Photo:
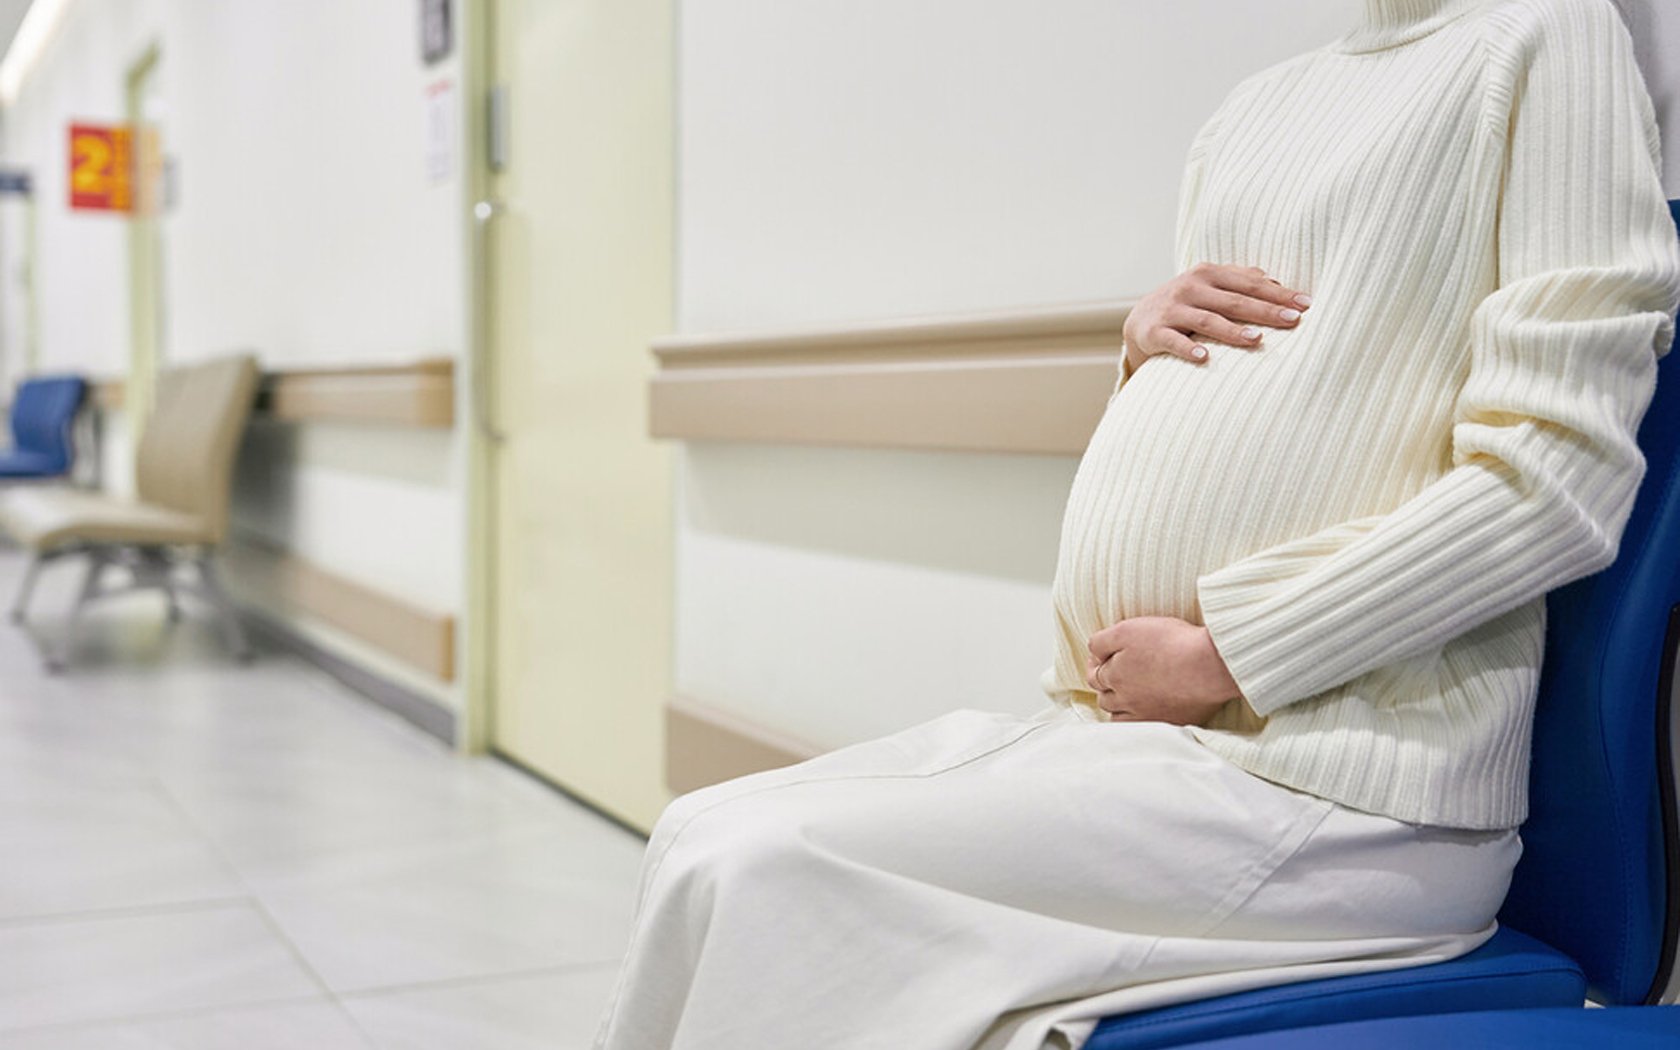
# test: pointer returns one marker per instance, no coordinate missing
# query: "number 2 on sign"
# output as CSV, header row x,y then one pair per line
x,y
100,176
90,168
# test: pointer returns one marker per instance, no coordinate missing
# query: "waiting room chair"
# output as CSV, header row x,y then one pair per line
x,y
183,472
43,422
1561,1028
1596,895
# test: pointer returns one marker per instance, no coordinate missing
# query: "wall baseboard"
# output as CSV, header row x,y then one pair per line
x,y
704,746
428,715
421,638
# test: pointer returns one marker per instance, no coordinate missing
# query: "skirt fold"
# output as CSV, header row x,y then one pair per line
x,y
992,882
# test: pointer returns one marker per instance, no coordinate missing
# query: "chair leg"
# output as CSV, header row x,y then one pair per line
x,y
226,612
154,568
97,562
20,604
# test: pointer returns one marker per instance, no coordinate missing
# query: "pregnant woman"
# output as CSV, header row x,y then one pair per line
x,y
1300,592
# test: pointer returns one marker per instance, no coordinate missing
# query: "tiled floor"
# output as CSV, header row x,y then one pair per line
x,y
195,854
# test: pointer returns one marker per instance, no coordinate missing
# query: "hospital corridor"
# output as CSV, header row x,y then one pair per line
x,y
849,524
212,855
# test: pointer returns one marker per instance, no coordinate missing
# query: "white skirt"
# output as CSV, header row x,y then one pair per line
x,y
992,882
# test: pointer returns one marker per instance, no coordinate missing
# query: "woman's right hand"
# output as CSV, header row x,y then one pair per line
x,y
1209,301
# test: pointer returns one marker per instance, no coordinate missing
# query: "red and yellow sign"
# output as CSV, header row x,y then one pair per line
x,y
101,167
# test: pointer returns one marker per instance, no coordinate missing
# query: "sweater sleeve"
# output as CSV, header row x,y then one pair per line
x,y
1545,465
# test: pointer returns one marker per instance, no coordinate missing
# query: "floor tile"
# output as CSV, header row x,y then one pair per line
x,y
82,846
547,1012
296,1026
273,812
59,971
470,908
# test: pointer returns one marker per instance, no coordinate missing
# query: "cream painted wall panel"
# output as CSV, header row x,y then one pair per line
x,y
373,505
1655,25
984,514
874,158
836,594
14,289
308,225
833,649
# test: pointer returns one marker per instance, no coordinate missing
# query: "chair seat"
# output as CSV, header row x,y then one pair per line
x,y
43,519
21,463
1511,971
1621,1028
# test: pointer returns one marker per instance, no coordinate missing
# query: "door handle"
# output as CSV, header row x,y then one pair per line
x,y
484,212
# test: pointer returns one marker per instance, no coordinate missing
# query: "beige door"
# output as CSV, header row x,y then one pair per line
x,y
577,234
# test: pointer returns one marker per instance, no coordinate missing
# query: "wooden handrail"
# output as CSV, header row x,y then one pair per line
x,y
1030,380
419,393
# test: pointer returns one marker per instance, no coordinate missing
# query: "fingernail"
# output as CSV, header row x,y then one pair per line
x,y
1304,299
1289,315
1251,332
1200,352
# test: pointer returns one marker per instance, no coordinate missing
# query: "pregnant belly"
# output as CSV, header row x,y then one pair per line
x,y
1195,466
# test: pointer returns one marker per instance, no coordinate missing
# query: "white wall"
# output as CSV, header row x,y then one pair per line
x,y
14,291
1655,25
307,229
876,158
855,160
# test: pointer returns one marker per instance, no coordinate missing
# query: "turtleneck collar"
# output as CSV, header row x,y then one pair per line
x,y
1386,23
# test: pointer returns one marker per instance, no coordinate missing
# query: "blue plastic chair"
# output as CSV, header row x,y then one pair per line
x,y
43,415
1598,887
1618,1028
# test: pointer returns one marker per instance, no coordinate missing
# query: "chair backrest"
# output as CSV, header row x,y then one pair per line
x,y
44,415
1600,873
185,459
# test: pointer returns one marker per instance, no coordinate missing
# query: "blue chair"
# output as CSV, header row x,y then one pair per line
x,y
1618,1028
43,415
1597,892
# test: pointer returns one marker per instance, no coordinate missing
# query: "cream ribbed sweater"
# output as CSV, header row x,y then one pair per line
x,y
1367,511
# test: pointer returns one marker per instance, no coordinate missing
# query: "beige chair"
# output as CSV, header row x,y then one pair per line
x,y
183,471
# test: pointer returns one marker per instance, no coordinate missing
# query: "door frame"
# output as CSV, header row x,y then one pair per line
x,y
145,281
475,382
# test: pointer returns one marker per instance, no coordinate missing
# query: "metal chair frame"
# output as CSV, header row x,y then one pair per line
x,y
150,568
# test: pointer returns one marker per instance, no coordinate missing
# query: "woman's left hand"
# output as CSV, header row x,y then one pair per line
x,y
1158,669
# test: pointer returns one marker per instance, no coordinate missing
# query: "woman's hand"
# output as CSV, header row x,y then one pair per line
x,y
1209,301
1158,669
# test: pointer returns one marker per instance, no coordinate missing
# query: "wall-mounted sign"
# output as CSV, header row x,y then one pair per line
x,y
101,167
440,131
437,35
14,182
